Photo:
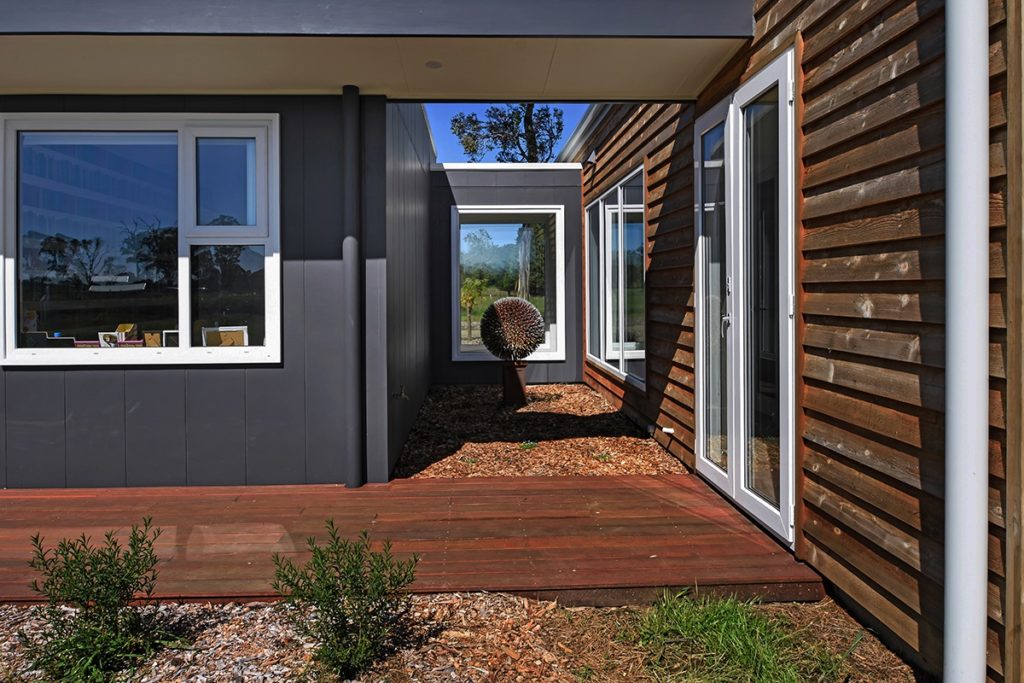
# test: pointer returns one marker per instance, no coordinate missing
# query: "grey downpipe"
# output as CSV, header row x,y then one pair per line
x,y
967,328
353,300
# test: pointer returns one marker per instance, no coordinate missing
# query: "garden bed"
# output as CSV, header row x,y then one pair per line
x,y
461,637
565,429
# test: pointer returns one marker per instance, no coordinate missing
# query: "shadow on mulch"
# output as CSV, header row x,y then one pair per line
x,y
563,429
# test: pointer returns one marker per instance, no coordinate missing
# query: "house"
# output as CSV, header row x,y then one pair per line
x,y
768,247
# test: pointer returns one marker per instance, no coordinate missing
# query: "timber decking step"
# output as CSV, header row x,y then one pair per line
x,y
584,540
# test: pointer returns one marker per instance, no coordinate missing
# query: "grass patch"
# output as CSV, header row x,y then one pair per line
x,y
528,445
730,641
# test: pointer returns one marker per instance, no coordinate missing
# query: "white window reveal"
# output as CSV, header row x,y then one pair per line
x,y
140,239
616,275
500,251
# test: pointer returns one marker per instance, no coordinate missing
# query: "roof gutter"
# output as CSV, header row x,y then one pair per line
x,y
967,330
591,119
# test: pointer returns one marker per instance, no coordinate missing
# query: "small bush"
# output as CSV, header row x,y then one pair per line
x,y
729,641
528,445
103,633
349,599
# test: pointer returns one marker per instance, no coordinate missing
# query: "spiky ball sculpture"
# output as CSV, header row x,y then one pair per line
x,y
512,328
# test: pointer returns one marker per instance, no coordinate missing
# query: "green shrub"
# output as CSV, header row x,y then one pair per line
x,y
726,640
349,599
104,633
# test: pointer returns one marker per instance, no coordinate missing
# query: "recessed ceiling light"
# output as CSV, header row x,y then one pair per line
x,y
433,64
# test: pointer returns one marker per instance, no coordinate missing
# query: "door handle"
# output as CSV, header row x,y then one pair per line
x,y
725,324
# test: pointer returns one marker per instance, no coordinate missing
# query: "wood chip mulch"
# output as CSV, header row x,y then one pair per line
x,y
565,429
479,637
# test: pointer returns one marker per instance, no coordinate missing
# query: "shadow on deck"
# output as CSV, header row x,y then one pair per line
x,y
582,540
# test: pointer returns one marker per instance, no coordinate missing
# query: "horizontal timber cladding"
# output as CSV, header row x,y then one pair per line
x,y
658,137
175,425
872,305
871,298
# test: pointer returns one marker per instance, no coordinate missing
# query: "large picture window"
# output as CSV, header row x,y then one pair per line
x,y
140,239
507,251
616,241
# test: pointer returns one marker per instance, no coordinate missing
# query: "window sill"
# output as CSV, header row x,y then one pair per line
x,y
132,357
485,357
613,371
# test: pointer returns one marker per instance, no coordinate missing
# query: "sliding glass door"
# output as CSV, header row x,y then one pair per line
x,y
745,244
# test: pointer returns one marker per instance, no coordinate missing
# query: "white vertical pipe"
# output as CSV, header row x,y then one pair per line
x,y
967,326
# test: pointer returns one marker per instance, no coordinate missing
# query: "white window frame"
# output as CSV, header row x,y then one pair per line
x,y
227,129
554,347
605,296
779,72
264,127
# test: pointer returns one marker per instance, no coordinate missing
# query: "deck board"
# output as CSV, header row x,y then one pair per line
x,y
584,540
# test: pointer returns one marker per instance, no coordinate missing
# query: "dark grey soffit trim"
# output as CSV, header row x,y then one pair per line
x,y
489,18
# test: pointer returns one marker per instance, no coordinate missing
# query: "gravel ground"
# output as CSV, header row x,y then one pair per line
x,y
462,638
565,429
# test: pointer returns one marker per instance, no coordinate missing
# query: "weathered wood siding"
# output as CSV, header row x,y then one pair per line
x,y
871,275
660,138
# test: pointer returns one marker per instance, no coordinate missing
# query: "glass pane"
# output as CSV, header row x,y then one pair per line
x,y
595,287
228,295
633,272
761,188
633,190
503,255
97,239
716,412
226,181
613,269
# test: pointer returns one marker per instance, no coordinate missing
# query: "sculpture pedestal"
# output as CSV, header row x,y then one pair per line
x,y
513,381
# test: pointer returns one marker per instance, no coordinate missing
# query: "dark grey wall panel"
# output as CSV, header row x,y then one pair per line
x,y
407,216
215,426
35,428
95,427
505,187
376,342
383,17
155,427
325,317
275,397
206,425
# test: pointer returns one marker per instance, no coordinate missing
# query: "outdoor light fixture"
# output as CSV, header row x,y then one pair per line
x,y
592,159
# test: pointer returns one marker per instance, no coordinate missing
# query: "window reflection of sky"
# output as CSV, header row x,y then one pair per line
x,y
226,169
502,234
93,185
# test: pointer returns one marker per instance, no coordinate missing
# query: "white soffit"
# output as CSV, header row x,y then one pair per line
x,y
470,68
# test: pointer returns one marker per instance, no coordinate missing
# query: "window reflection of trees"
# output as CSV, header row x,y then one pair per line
x,y
78,287
228,290
494,264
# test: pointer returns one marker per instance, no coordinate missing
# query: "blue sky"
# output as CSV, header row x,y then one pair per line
x,y
448,148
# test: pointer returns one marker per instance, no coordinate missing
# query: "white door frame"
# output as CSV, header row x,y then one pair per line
x,y
739,267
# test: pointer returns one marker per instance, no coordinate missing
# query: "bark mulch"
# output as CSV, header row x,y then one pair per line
x,y
565,429
460,637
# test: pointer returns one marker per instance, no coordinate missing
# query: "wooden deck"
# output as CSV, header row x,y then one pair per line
x,y
585,540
